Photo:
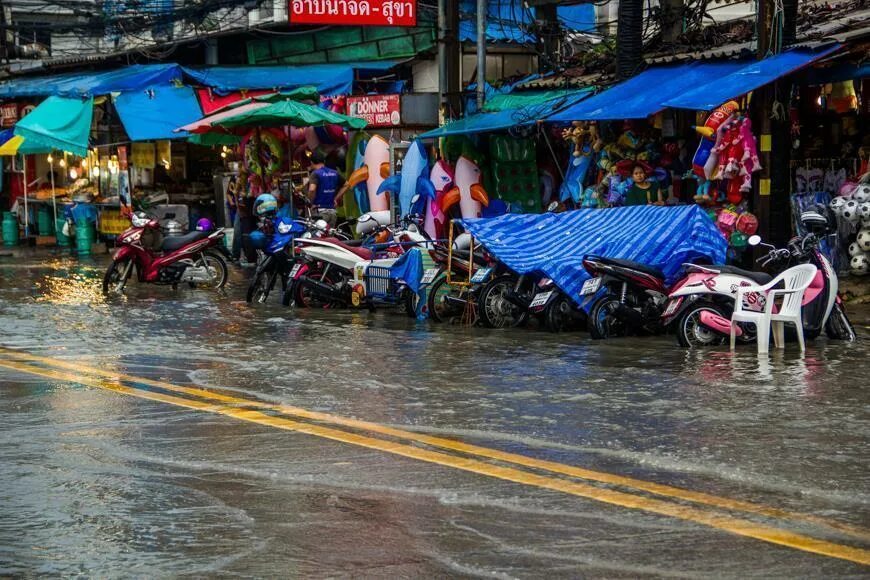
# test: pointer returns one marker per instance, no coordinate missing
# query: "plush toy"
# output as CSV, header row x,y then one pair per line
x,y
705,160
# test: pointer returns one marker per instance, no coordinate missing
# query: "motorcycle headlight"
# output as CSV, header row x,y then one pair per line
x,y
321,225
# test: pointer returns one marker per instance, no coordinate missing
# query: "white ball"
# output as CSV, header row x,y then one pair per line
x,y
855,250
860,264
862,193
863,240
837,205
864,210
850,211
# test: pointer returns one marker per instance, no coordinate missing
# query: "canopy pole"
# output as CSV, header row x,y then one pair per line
x,y
26,210
481,53
53,196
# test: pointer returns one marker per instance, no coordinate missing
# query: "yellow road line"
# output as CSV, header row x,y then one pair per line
x,y
458,446
723,522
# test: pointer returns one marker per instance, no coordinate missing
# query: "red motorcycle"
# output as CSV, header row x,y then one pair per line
x,y
191,258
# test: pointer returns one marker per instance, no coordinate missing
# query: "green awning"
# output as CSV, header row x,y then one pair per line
x,y
212,139
516,100
290,113
59,123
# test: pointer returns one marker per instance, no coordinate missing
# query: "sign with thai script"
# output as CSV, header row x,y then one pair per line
x,y
354,12
8,114
377,110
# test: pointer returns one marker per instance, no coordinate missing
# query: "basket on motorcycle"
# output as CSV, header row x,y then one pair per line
x,y
379,284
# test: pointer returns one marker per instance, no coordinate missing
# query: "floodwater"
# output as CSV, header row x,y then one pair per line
x,y
98,483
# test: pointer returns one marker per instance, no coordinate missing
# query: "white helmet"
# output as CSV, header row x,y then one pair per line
x,y
860,264
863,240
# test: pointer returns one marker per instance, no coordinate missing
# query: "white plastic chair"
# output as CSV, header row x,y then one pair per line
x,y
794,283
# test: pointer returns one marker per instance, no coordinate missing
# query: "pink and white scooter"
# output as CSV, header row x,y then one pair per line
x,y
700,305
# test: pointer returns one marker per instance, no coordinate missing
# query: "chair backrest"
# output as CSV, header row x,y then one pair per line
x,y
795,278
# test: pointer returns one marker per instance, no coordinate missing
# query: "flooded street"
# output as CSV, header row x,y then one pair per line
x,y
100,476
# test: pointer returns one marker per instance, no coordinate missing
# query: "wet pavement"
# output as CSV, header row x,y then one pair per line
x,y
101,483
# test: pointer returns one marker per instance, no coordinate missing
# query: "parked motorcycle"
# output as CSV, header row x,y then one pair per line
x,y
276,258
555,310
700,305
633,300
193,258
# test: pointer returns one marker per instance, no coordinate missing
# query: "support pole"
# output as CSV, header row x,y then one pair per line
x,y
481,53
53,198
26,209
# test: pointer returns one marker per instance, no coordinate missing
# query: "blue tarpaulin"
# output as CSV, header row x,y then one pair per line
x,y
155,113
129,78
330,79
507,118
645,94
409,269
747,78
554,244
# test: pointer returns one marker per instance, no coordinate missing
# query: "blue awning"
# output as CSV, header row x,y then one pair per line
x,y
129,78
156,112
643,95
746,79
330,79
507,118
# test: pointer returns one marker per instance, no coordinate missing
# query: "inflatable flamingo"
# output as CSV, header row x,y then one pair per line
x,y
469,193
441,177
375,169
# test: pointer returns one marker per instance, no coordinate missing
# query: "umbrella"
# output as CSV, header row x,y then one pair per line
x,y
281,113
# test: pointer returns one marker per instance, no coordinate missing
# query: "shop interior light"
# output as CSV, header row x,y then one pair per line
x,y
95,171
73,174
62,162
50,159
224,154
84,163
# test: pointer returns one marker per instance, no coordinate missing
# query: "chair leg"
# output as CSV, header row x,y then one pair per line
x,y
799,328
733,335
778,333
763,332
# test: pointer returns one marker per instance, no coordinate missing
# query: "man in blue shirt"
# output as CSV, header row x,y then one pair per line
x,y
323,185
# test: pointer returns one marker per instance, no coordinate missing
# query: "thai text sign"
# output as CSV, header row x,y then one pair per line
x,y
354,12
377,110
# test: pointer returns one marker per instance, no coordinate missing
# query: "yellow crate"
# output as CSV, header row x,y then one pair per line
x,y
112,222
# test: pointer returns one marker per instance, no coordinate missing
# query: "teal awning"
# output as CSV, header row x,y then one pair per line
x,y
59,123
508,118
524,99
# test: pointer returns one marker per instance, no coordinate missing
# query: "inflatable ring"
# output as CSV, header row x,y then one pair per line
x,y
271,152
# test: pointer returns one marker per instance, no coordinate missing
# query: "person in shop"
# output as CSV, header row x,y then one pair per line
x,y
323,188
642,190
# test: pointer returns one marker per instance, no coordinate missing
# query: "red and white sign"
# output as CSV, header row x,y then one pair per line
x,y
8,114
354,12
377,110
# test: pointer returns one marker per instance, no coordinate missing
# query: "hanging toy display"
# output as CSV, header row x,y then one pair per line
x,y
375,168
468,192
263,155
585,141
442,180
412,183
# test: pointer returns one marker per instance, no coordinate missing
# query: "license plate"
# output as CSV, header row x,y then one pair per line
x,y
590,286
429,276
481,275
541,299
672,307
295,270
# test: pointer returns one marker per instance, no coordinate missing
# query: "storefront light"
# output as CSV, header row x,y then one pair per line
x,y
50,159
73,174
224,154
84,163
62,162
95,171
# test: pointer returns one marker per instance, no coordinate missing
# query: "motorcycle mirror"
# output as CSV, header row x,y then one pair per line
x,y
754,240
416,198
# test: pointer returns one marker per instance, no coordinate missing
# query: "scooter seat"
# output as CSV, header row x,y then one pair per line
x,y
363,253
173,243
760,278
651,270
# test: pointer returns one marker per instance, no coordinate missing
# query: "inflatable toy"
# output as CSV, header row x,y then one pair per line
x,y
374,169
442,178
468,192
412,183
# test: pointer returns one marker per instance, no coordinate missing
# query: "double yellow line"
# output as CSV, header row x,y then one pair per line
x,y
679,503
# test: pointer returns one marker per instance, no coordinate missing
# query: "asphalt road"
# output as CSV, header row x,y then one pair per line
x,y
184,433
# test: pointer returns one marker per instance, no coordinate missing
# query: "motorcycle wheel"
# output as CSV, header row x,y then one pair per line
x,y
112,280
557,315
602,323
409,302
213,261
261,285
495,310
440,310
303,295
838,326
692,334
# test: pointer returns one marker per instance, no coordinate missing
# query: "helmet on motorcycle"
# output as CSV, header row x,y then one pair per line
x,y
257,239
204,225
265,204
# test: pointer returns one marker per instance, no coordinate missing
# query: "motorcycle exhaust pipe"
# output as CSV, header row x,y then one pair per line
x,y
321,290
628,315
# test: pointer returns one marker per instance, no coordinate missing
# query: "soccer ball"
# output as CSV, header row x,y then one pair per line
x,y
860,264
837,205
855,250
850,211
863,240
862,193
864,210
